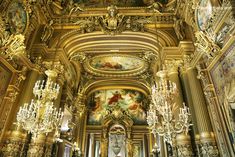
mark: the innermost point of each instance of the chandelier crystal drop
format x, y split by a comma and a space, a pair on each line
40, 116
160, 117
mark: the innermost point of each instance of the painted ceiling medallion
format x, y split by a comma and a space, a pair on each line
17, 17
115, 65
204, 14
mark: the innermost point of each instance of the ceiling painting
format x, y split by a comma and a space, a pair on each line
17, 17
116, 65
204, 14
102, 101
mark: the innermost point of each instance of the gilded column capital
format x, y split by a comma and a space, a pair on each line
202, 74
186, 63
172, 66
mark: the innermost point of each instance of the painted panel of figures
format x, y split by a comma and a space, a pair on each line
17, 17
5, 77
116, 63
204, 13
130, 100
223, 76
119, 3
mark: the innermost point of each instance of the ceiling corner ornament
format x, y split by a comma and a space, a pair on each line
115, 65
115, 23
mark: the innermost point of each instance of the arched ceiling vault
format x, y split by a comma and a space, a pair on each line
74, 42
116, 84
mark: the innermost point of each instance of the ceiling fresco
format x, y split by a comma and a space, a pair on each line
119, 3
102, 101
204, 14
115, 65
111, 63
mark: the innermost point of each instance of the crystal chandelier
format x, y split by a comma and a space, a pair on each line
40, 116
160, 116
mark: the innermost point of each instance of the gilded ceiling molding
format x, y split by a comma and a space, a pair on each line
91, 66
116, 84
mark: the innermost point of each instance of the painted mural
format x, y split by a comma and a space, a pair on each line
17, 17
5, 76
223, 76
204, 14
116, 63
103, 100
119, 3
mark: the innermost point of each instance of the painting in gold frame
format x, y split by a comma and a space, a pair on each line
102, 101
223, 77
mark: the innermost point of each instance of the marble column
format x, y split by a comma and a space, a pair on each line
15, 135
183, 141
207, 140
36, 147
60, 80
48, 145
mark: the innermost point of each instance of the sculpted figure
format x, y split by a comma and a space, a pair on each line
179, 29
112, 22
47, 32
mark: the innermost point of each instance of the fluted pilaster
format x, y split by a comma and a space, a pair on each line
36, 147
183, 142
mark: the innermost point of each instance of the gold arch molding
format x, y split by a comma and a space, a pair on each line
116, 84
73, 42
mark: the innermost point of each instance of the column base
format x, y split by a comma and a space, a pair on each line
36, 147
208, 145
183, 146
13, 144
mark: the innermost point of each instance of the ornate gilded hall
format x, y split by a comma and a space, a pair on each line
109, 78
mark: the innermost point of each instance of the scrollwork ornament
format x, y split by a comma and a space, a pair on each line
12, 148
14, 46
184, 151
209, 150
205, 45
202, 75
36, 150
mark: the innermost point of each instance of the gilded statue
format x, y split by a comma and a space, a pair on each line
179, 28
74, 7
112, 21
155, 7
47, 32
